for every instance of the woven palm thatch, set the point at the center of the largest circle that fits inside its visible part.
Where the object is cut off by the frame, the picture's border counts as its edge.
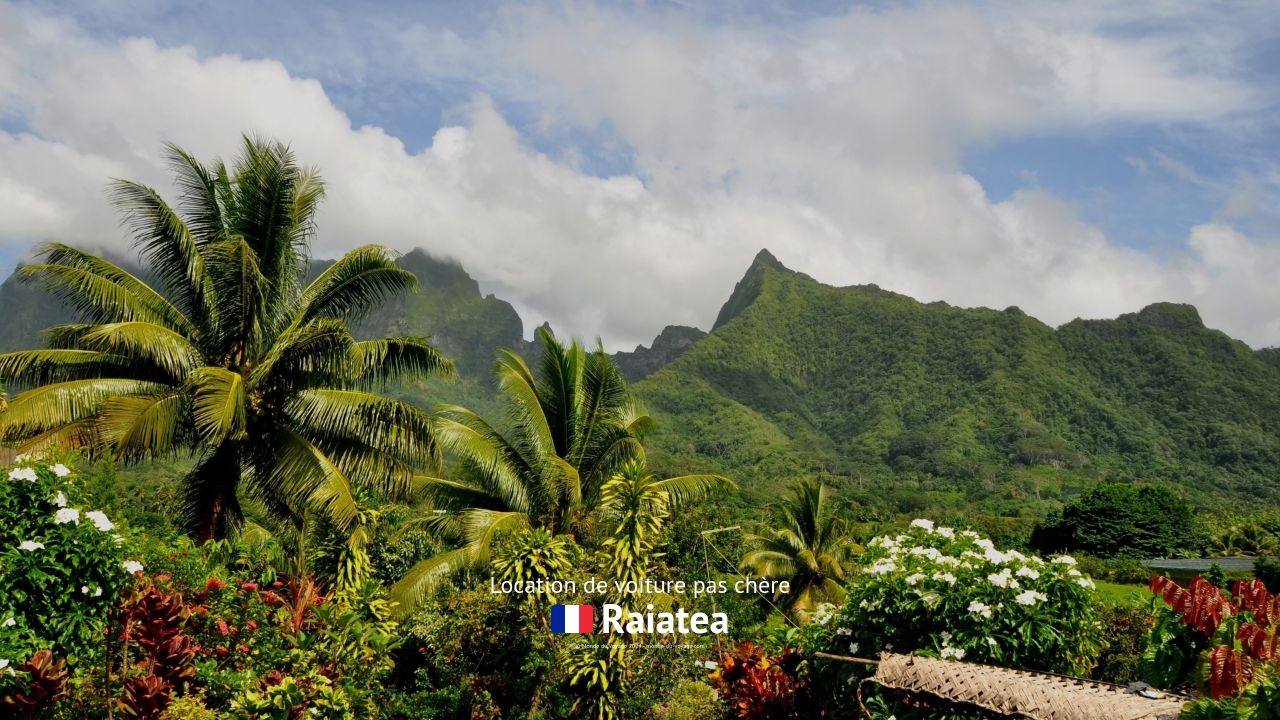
(1021, 693)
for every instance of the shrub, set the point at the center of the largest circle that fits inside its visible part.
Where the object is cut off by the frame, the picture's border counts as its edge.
(189, 707)
(1112, 519)
(757, 685)
(61, 571)
(1126, 629)
(952, 594)
(690, 700)
(1267, 569)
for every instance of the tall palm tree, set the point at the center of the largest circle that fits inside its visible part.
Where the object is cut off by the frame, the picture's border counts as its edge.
(568, 430)
(229, 356)
(809, 549)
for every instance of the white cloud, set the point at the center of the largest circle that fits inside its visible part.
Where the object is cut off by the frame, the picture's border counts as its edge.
(835, 144)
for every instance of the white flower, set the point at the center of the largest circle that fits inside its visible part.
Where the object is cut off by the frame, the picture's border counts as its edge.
(67, 515)
(946, 637)
(931, 598)
(1027, 572)
(1074, 572)
(984, 543)
(1015, 555)
(950, 652)
(4, 665)
(995, 556)
(132, 567)
(945, 577)
(97, 592)
(991, 641)
(915, 578)
(882, 567)
(30, 545)
(84, 589)
(61, 470)
(969, 534)
(23, 473)
(100, 520)
(927, 525)
(843, 631)
(1030, 597)
(853, 648)
(60, 499)
(980, 608)
(1065, 560)
(1003, 579)
(946, 532)
(1085, 583)
(9, 623)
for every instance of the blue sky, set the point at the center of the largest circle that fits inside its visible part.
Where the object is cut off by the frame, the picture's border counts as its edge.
(1079, 159)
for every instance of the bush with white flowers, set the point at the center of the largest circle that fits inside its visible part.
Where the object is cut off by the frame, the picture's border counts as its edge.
(952, 594)
(62, 567)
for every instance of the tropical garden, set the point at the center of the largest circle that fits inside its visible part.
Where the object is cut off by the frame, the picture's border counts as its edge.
(221, 504)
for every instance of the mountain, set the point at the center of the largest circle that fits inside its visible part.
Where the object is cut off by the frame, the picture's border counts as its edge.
(464, 324)
(670, 344)
(906, 406)
(913, 405)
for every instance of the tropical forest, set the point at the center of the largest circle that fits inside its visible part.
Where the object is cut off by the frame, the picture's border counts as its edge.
(243, 481)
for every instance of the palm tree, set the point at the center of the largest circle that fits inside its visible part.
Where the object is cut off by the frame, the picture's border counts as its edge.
(229, 356)
(568, 430)
(809, 550)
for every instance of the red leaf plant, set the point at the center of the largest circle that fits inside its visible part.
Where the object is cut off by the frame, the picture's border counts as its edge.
(46, 685)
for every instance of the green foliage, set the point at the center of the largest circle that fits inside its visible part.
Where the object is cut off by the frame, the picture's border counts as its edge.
(808, 551)
(690, 700)
(229, 356)
(1267, 569)
(1125, 629)
(1143, 521)
(189, 707)
(954, 595)
(531, 555)
(62, 568)
(876, 389)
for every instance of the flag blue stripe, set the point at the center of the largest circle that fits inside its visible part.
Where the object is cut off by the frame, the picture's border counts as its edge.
(557, 619)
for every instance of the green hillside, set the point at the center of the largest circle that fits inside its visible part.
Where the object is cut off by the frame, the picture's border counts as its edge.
(911, 405)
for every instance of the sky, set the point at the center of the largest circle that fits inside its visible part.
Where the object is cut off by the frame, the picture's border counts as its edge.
(613, 167)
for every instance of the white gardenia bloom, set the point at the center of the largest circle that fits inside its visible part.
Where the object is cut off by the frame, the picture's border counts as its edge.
(1027, 572)
(23, 473)
(61, 470)
(84, 589)
(67, 515)
(60, 499)
(30, 545)
(132, 567)
(923, 524)
(945, 577)
(100, 520)
(1065, 560)
(1030, 597)
(882, 567)
(1003, 579)
(980, 608)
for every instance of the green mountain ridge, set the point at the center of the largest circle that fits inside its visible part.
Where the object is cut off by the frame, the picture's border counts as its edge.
(905, 404)
(928, 403)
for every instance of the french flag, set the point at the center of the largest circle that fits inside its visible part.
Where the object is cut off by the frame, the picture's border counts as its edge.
(572, 619)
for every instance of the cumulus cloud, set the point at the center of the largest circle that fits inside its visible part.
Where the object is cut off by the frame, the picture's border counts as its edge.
(837, 144)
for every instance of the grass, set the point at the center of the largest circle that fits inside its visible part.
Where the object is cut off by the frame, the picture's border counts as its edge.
(1118, 594)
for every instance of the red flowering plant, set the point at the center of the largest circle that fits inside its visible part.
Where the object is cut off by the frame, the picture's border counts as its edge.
(1229, 642)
